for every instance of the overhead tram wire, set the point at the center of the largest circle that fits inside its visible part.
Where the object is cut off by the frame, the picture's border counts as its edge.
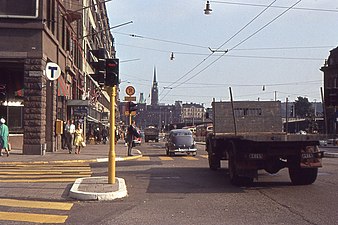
(233, 36)
(250, 36)
(170, 87)
(279, 7)
(243, 49)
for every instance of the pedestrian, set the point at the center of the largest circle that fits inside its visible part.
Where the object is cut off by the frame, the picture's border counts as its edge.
(131, 134)
(63, 136)
(4, 134)
(72, 131)
(78, 140)
(104, 135)
(69, 136)
(97, 134)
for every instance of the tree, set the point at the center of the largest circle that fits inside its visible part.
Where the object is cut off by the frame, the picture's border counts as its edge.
(303, 107)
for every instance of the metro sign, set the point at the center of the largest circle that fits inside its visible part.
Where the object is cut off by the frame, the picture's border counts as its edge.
(52, 71)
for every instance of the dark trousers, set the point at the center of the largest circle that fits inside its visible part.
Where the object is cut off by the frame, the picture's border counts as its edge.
(69, 141)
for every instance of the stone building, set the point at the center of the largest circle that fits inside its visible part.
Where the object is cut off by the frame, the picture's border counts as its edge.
(330, 70)
(34, 33)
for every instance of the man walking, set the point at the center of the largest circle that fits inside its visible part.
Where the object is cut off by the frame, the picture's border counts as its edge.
(70, 130)
(131, 133)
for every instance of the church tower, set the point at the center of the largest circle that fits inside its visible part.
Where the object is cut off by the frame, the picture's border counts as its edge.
(154, 90)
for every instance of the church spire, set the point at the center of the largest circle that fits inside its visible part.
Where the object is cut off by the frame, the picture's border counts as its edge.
(154, 90)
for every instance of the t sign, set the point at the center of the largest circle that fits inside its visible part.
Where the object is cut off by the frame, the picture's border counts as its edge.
(52, 71)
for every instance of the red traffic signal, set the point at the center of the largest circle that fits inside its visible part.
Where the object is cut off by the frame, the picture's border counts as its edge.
(112, 72)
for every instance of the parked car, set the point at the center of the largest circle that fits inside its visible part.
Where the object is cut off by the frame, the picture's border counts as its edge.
(180, 141)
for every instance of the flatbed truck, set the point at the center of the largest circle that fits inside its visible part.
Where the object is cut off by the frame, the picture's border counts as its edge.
(249, 134)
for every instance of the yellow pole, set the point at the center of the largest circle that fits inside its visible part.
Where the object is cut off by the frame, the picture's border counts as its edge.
(111, 159)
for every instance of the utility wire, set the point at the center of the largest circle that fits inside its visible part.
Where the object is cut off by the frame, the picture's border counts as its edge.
(280, 7)
(250, 36)
(210, 64)
(190, 71)
(242, 56)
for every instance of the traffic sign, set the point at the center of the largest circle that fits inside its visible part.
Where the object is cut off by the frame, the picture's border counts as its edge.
(130, 90)
(52, 71)
(129, 98)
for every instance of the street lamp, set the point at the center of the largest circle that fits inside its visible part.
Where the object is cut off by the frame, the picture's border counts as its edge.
(207, 9)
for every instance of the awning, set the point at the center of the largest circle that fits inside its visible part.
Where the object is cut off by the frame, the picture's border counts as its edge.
(91, 119)
(62, 87)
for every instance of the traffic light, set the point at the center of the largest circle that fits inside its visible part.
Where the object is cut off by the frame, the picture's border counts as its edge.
(99, 65)
(132, 106)
(112, 72)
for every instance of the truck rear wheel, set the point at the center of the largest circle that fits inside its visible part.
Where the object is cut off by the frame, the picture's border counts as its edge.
(214, 161)
(235, 179)
(303, 176)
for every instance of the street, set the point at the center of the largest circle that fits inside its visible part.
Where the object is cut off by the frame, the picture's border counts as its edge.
(165, 190)
(182, 190)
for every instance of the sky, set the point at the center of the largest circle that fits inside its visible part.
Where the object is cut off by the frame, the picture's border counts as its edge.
(261, 49)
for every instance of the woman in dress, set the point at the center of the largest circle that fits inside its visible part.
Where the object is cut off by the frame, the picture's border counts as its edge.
(78, 139)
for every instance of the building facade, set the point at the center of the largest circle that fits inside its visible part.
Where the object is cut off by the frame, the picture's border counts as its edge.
(330, 70)
(33, 33)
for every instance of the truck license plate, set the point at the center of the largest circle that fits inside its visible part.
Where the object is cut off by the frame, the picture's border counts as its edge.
(256, 156)
(307, 155)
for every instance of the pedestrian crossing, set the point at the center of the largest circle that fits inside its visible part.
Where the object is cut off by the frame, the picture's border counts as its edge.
(37, 173)
(34, 211)
(171, 158)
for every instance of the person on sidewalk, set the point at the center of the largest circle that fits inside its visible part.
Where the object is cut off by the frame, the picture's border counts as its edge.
(4, 134)
(78, 138)
(69, 136)
(131, 134)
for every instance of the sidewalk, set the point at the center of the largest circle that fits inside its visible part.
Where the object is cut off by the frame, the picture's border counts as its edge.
(89, 188)
(90, 153)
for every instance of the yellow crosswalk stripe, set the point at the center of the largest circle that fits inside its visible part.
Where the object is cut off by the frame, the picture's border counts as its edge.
(32, 176)
(144, 158)
(60, 180)
(189, 158)
(41, 173)
(36, 204)
(33, 217)
(166, 158)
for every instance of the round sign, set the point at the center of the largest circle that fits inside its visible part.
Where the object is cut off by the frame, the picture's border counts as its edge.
(53, 71)
(130, 90)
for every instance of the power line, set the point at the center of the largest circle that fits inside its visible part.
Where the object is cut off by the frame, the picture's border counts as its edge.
(280, 7)
(250, 36)
(190, 71)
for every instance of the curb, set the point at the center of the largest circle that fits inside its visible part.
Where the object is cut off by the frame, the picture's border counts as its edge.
(117, 159)
(330, 155)
(120, 192)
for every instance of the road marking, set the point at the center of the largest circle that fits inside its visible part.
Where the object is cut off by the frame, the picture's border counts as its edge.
(36, 204)
(32, 217)
(61, 180)
(144, 158)
(189, 158)
(166, 158)
(204, 156)
(42, 173)
(41, 176)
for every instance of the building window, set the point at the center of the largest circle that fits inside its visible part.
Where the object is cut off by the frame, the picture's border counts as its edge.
(19, 8)
(241, 112)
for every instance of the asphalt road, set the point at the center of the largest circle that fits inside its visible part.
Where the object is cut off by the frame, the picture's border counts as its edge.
(182, 190)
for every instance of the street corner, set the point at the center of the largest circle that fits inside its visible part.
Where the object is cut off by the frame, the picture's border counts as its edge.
(98, 189)
(132, 157)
